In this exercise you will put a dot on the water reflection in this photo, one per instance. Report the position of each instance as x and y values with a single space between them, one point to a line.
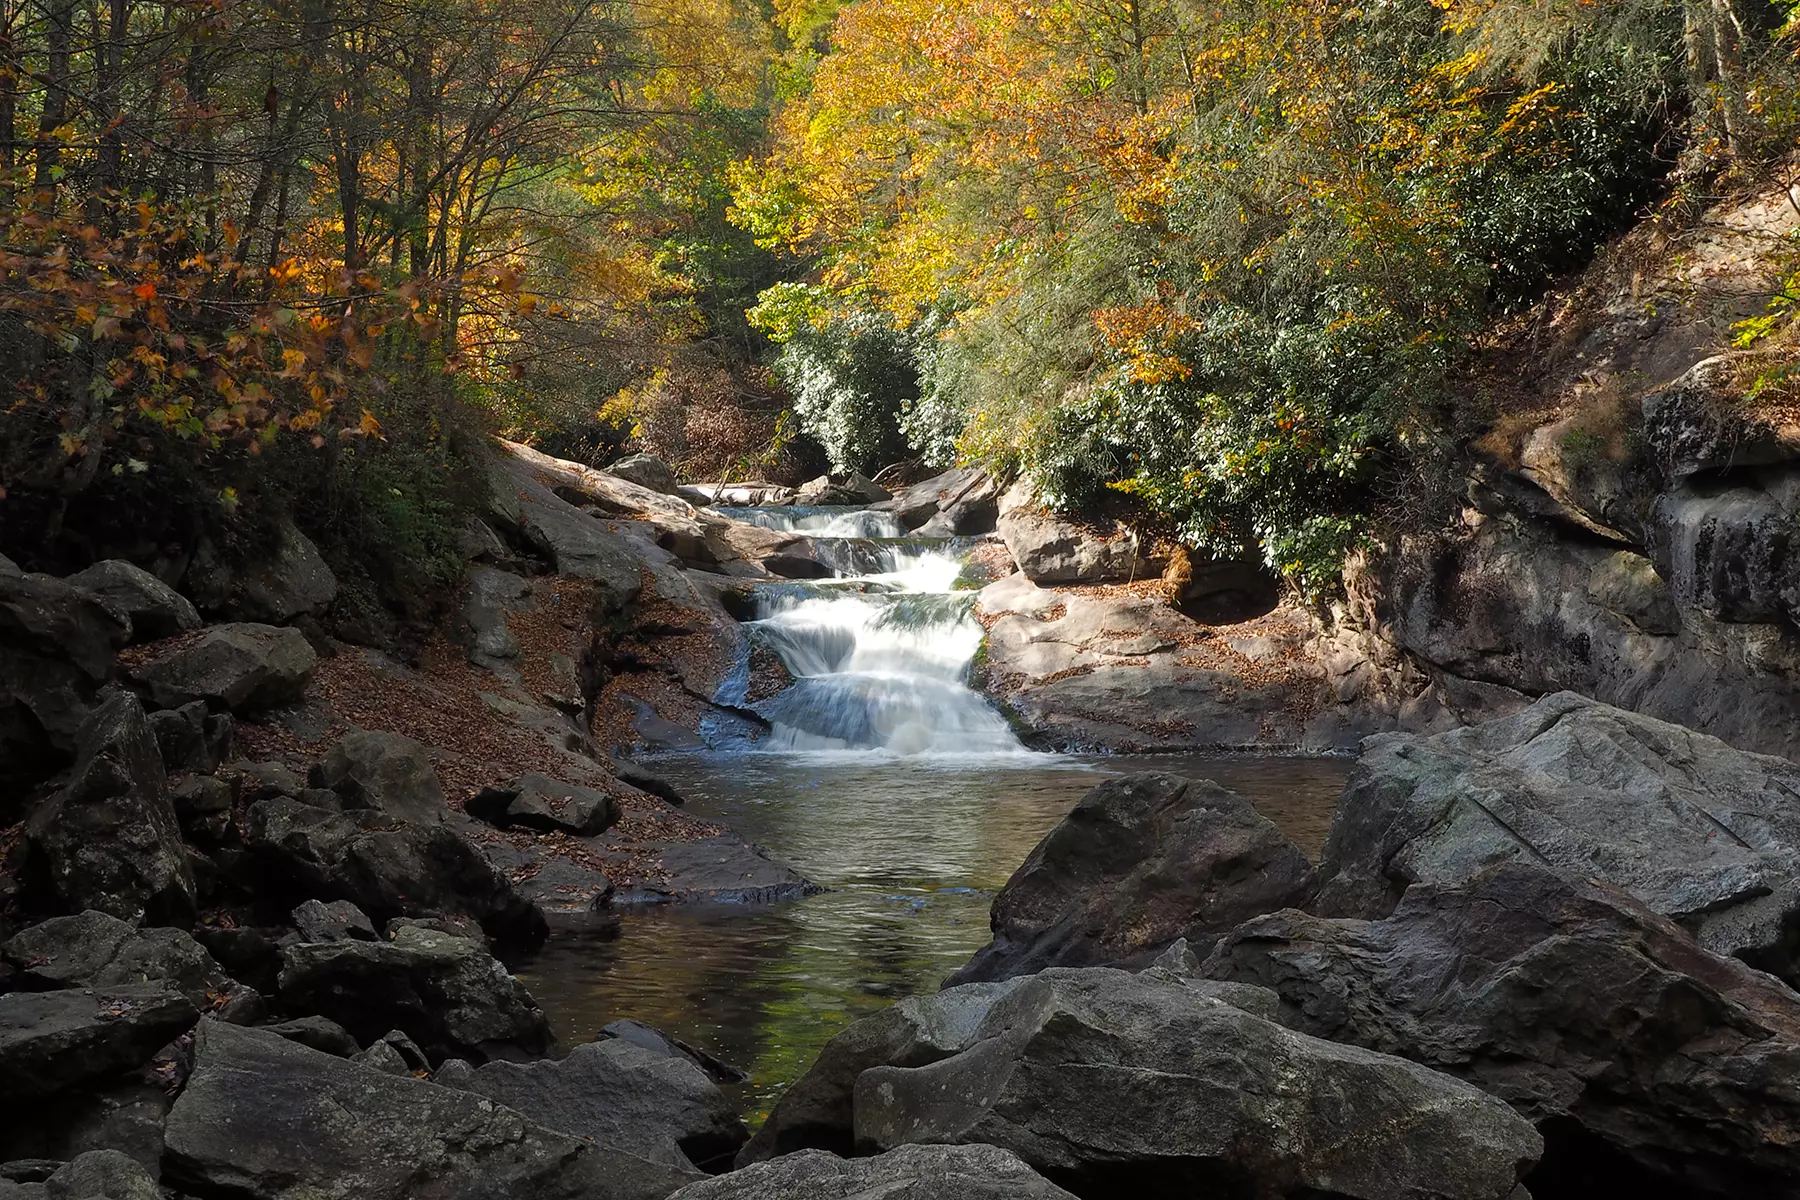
912 850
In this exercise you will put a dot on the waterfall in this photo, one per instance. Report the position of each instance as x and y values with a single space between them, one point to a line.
880 655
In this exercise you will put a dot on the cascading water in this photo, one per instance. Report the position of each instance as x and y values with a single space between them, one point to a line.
880 655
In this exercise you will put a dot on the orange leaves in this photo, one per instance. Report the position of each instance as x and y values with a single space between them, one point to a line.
1143 335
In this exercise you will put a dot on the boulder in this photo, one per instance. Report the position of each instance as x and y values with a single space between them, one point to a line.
1702 833
395 1054
1052 549
961 502
155 609
446 993
321 1034
97 950
1140 861
263 1118
817 1111
387 772
645 1037
109 840
203 807
243 667
660 1108
56 650
648 471
191 738
291 581
126 1118
546 805
1652 1066
491 595
574 543
905 1173
337 921
51 1041
102 1175
1114 1084
831 490
385 868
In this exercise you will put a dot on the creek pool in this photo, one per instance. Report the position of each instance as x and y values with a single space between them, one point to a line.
912 850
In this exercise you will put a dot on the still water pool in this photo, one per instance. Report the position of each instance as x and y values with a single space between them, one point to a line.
912 850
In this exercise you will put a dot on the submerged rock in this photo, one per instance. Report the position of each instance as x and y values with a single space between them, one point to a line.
1139 862
1114 1084
266 1119
1644 1059
906 1173
1702 833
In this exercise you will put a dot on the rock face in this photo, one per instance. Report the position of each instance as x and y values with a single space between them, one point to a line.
96 950
289 581
338 921
1114 1084
386 772
1648 1062
646 470
1050 549
1140 861
906 1173
446 993
546 805
660 1108
266 1118
155 609
242 667
1704 834
50 1041
109 840
56 649
817 1113
385 868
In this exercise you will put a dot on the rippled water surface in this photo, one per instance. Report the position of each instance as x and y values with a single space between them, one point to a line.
912 850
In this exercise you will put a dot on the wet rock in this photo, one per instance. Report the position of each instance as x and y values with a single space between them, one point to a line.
191 738
320 1033
817 1111
546 805
265 1119
102 1175
1051 549
155 609
1117 1084
646 470
1139 862
51 1041
97 950
660 1108
446 993
906 1173
244 667
385 868
56 650
1652 1066
648 1038
337 921
109 840
387 772
291 581
1704 834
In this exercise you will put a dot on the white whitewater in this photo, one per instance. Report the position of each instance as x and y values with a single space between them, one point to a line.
881 654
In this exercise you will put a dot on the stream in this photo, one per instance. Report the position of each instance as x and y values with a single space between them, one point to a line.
885 779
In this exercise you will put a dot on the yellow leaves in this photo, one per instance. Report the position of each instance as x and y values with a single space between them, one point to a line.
368 426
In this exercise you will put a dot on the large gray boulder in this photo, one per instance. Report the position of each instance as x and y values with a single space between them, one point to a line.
1702 833
384 771
244 667
646 470
906 1173
1649 1063
448 994
574 543
1139 862
102 1175
93 949
1052 549
56 650
156 610
385 867
659 1107
546 805
817 1111
109 840
289 581
51 1041
266 1119
1115 1084
960 502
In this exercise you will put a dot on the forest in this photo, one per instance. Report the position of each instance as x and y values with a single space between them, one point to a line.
1231 268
